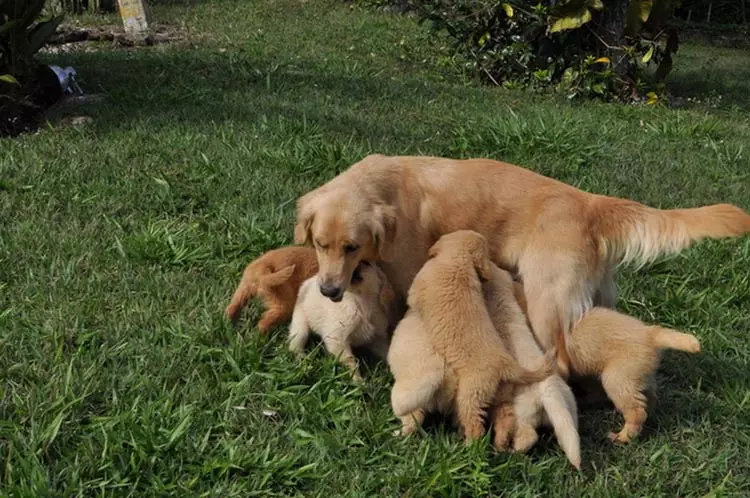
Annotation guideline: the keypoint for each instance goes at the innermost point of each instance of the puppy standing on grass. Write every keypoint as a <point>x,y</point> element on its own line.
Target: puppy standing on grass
<point>549,402</point>
<point>363,317</point>
<point>447,296</point>
<point>625,354</point>
<point>275,277</point>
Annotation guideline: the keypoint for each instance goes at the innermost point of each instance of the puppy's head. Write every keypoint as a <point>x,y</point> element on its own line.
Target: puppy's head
<point>465,244</point>
<point>344,231</point>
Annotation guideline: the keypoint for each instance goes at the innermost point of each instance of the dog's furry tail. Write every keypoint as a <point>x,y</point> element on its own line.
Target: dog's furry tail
<point>407,397</point>
<point>562,412</point>
<point>635,233</point>
<point>276,278</point>
<point>249,286</point>
<point>671,339</point>
<point>246,290</point>
<point>514,373</point>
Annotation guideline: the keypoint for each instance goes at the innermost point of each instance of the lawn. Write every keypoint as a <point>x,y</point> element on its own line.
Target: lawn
<point>121,242</point>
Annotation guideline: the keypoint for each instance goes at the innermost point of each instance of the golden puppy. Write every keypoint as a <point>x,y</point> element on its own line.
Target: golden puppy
<point>422,381</point>
<point>275,277</point>
<point>624,353</point>
<point>447,295</point>
<point>549,402</point>
<point>565,243</point>
<point>362,318</point>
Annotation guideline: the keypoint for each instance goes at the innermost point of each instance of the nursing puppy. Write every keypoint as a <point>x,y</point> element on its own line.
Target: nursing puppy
<point>447,296</point>
<point>549,402</point>
<point>565,243</point>
<point>275,277</point>
<point>422,381</point>
<point>362,318</point>
<point>624,353</point>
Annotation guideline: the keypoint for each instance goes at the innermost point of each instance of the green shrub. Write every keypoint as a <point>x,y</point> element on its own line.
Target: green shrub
<point>619,49</point>
<point>23,82</point>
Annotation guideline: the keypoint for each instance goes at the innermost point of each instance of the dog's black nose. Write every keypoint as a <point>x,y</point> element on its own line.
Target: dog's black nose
<point>332,292</point>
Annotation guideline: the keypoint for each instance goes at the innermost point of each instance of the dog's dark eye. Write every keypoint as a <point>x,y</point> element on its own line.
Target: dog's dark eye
<point>322,246</point>
<point>350,248</point>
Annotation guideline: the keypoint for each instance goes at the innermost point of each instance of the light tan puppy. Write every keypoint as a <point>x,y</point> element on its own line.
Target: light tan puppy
<point>422,381</point>
<point>565,243</point>
<point>275,277</point>
<point>363,317</point>
<point>624,353</point>
<point>447,296</point>
<point>549,402</point>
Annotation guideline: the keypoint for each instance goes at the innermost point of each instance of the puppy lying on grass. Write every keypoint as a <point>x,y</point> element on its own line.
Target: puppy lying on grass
<point>449,355</point>
<point>275,278</point>
<point>363,317</point>
<point>625,354</point>
<point>549,402</point>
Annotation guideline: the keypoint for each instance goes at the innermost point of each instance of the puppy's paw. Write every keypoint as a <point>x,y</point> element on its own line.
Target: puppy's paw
<point>524,438</point>
<point>620,438</point>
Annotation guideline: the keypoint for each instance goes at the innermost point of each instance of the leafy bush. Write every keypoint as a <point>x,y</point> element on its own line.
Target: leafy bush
<point>78,6</point>
<point>22,81</point>
<point>621,49</point>
<point>721,11</point>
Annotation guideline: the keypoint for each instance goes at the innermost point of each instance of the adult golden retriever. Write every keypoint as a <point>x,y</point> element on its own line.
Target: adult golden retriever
<point>563,242</point>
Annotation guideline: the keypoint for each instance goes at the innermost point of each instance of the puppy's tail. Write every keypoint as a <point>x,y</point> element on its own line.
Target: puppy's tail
<point>562,412</point>
<point>635,233</point>
<point>276,278</point>
<point>246,290</point>
<point>407,396</point>
<point>250,284</point>
<point>671,339</point>
<point>511,371</point>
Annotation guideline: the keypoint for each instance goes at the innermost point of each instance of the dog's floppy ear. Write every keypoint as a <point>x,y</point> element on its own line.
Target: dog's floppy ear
<point>383,231</point>
<point>387,294</point>
<point>305,215</point>
<point>480,254</point>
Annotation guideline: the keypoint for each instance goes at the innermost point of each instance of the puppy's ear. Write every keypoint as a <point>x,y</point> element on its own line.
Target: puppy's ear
<point>305,215</point>
<point>387,294</point>
<point>383,230</point>
<point>480,254</point>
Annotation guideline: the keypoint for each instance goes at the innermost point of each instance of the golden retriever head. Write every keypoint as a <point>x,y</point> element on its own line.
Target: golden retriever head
<point>344,230</point>
<point>468,244</point>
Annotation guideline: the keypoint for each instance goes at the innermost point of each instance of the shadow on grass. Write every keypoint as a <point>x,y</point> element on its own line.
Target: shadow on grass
<point>171,87</point>
<point>709,74</point>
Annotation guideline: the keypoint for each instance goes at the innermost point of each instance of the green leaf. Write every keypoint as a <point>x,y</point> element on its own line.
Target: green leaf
<point>8,78</point>
<point>40,33</point>
<point>572,21</point>
<point>638,13</point>
<point>647,56</point>
<point>508,9</point>
<point>484,39</point>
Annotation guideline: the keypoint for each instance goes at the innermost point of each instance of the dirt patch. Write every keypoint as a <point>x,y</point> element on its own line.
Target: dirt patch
<point>75,38</point>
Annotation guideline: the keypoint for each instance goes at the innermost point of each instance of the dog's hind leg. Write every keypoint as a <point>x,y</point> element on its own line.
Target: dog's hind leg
<point>503,416</point>
<point>474,395</point>
<point>628,397</point>
<point>558,291</point>
<point>273,316</point>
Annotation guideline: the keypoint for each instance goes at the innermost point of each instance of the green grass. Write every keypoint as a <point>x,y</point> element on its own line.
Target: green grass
<point>121,242</point>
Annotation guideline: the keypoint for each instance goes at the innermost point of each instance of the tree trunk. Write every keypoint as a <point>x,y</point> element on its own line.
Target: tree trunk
<point>611,29</point>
